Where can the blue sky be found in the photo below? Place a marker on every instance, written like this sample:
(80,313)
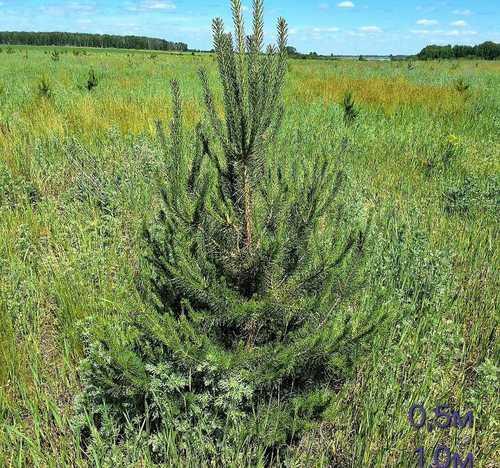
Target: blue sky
(326,26)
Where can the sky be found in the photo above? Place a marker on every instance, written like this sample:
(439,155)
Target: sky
(325,26)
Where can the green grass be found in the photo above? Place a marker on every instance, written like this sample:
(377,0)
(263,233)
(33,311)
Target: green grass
(77,173)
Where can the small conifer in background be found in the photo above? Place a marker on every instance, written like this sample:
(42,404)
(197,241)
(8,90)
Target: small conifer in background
(462,86)
(252,260)
(350,111)
(44,88)
(92,81)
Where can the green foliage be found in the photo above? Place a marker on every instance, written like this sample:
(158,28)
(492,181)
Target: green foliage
(55,56)
(252,262)
(486,50)
(88,40)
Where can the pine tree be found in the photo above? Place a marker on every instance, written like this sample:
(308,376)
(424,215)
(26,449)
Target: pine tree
(350,111)
(252,262)
(92,81)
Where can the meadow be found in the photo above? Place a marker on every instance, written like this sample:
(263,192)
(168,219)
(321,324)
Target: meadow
(77,184)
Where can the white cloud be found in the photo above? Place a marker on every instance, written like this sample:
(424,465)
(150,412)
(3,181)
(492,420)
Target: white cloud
(462,12)
(459,24)
(146,5)
(325,30)
(452,32)
(427,22)
(345,5)
(370,29)
(158,5)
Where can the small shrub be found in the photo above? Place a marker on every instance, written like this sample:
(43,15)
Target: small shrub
(55,56)
(10,50)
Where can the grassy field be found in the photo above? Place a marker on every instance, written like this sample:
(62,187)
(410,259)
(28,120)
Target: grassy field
(77,171)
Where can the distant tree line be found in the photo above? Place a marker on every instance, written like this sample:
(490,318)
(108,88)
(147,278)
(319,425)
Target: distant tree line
(486,50)
(88,40)
(294,53)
